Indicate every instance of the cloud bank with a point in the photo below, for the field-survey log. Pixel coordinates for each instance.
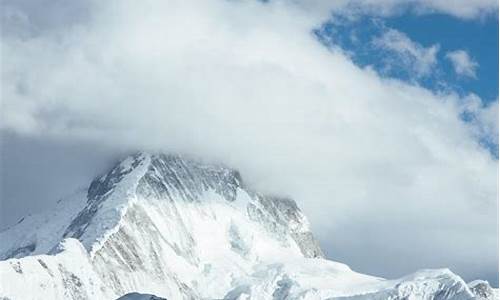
(391, 176)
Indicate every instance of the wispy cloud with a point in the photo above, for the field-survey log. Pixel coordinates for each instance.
(414, 57)
(463, 9)
(462, 63)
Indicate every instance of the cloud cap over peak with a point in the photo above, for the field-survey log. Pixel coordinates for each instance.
(247, 83)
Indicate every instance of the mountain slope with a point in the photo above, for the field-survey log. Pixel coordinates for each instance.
(176, 228)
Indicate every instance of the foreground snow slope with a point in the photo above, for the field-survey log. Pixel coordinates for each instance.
(179, 229)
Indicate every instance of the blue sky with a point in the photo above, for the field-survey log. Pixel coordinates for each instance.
(418, 49)
(479, 38)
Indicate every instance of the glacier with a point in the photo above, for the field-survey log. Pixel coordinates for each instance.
(162, 226)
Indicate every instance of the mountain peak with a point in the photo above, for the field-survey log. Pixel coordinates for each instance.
(157, 179)
(107, 182)
(178, 228)
(108, 197)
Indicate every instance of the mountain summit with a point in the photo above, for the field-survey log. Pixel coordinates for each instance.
(179, 229)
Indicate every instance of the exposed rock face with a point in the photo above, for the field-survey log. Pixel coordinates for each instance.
(137, 296)
(176, 228)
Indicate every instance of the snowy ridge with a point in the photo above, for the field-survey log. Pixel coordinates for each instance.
(483, 291)
(107, 201)
(164, 225)
(67, 275)
(39, 233)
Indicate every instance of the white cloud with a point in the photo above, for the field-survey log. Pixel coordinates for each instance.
(462, 63)
(411, 55)
(460, 8)
(483, 118)
(488, 118)
(463, 9)
(377, 164)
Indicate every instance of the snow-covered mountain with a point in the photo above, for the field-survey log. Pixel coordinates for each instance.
(179, 229)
